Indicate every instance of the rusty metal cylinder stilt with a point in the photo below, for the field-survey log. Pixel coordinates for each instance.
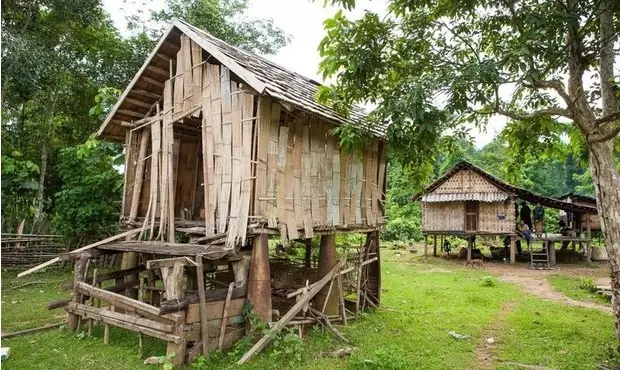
(259, 282)
(327, 260)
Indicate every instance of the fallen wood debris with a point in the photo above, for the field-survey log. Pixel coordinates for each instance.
(262, 343)
(33, 330)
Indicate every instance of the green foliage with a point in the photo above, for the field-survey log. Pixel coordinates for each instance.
(224, 19)
(19, 185)
(588, 285)
(434, 70)
(88, 204)
(489, 281)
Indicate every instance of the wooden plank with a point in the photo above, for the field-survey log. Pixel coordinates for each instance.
(130, 113)
(178, 84)
(247, 114)
(262, 343)
(328, 172)
(121, 301)
(226, 101)
(168, 262)
(224, 316)
(264, 119)
(272, 165)
(297, 174)
(333, 141)
(192, 331)
(86, 247)
(321, 162)
(237, 166)
(280, 186)
(139, 103)
(289, 183)
(186, 50)
(152, 81)
(139, 174)
(381, 176)
(315, 149)
(155, 171)
(216, 119)
(204, 331)
(196, 73)
(160, 71)
(208, 160)
(215, 310)
(345, 190)
(131, 319)
(306, 164)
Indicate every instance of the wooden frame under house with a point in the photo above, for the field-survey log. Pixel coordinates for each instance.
(468, 201)
(223, 151)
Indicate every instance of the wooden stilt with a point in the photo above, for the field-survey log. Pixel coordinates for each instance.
(425, 245)
(469, 248)
(200, 279)
(79, 272)
(327, 299)
(259, 284)
(435, 245)
(512, 249)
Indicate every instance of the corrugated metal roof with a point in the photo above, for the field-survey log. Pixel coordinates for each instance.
(450, 197)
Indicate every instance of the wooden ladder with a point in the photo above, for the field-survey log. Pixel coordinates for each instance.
(539, 259)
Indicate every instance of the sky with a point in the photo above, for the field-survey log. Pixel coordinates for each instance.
(302, 20)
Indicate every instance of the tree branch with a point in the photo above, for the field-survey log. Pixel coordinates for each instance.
(549, 112)
(608, 118)
(555, 85)
(611, 133)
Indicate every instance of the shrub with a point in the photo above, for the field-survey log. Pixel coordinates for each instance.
(588, 284)
(489, 281)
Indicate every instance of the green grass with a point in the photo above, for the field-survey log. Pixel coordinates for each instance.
(571, 287)
(421, 303)
(556, 336)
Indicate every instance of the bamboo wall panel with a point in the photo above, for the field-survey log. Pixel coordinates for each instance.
(465, 181)
(250, 160)
(493, 217)
(310, 182)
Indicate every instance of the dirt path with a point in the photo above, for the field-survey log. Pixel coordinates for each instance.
(491, 337)
(535, 282)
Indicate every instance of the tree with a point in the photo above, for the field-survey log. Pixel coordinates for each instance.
(224, 19)
(430, 67)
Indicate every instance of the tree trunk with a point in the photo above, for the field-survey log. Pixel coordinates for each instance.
(41, 191)
(606, 179)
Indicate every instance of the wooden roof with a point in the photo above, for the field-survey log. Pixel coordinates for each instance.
(504, 186)
(262, 75)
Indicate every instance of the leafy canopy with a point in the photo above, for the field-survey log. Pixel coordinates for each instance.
(435, 68)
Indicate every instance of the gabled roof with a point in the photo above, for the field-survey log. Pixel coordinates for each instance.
(504, 186)
(262, 75)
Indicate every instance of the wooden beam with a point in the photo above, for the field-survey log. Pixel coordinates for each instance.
(131, 113)
(152, 81)
(146, 93)
(159, 71)
(120, 301)
(168, 262)
(133, 319)
(225, 316)
(204, 331)
(89, 246)
(138, 102)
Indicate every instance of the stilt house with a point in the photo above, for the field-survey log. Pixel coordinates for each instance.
(468, 201)
(224, 149)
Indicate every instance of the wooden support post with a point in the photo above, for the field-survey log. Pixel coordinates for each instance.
(308, 256)
(589, 237)
(328, 258)
(425, 245)
(204, 332)
(259, 282)
(173, 283)
(90, 321)
(343, 310)
(469, 248)
(441, 244)
(435, 245)
(551, 252)
(512, 249)
(79, 272)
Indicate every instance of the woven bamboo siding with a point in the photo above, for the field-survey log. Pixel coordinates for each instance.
(445, 216)
(229, 157)
(466, 181)
(496, 217)
(305, 181)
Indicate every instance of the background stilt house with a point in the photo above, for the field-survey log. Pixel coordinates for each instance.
(467, 201)
(223, 149)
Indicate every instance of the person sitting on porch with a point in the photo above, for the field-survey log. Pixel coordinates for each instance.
(539, 219)
(525, 232)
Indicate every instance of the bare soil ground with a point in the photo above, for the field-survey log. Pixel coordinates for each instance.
(535, 281)
(491, 334)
